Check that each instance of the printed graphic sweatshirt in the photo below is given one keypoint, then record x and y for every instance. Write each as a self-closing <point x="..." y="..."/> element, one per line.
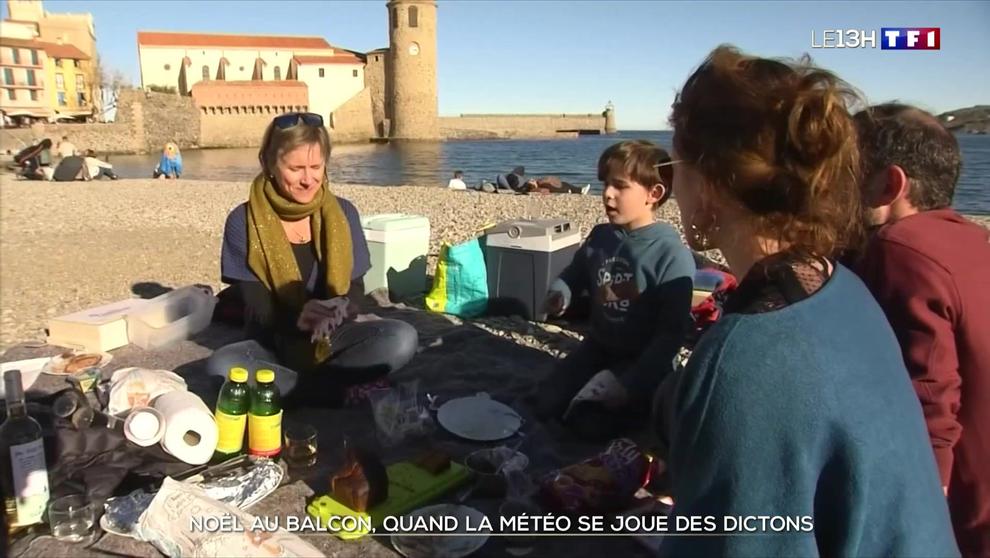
<point x="640" y="287"/>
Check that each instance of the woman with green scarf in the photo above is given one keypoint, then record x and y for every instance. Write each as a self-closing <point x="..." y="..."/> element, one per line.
<point x="295" y="257"/>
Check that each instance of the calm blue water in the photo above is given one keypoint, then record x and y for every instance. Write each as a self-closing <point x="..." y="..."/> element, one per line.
<point x="573" y="160"/>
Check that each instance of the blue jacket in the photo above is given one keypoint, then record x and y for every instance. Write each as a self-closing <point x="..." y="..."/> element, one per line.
<point x="170" y="166"/>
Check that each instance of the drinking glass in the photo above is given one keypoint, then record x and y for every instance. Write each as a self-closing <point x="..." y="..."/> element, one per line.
<point x="72" y="518"/>
<point x="300" y="445"/>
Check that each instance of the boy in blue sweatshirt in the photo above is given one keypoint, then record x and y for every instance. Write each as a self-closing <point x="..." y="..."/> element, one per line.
<point x="638" y="274"/>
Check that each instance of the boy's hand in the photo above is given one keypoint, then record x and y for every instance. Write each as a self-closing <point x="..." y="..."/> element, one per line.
<point x="554" y="304"/>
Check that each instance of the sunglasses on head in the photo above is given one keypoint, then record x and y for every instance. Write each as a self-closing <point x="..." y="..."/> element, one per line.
<point x="291" y="119"/>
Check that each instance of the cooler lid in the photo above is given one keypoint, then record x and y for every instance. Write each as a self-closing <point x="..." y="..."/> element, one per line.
<point x="394" y="222"/>
<point x="524" y="228"/>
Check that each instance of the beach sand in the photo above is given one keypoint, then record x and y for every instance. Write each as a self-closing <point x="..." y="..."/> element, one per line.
<point x="66" y="247"/>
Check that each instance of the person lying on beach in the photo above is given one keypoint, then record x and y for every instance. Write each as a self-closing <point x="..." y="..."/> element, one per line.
<point x="796" y="402"/>
<point x="170" y="164"/>
<point x="97" y="168"/>
<point x="554" y="185"/>
<point x="638" y="274"/>
<point x="929" y="268"/>
<point x="514" y="181"/>
<point x="295" y="256"/>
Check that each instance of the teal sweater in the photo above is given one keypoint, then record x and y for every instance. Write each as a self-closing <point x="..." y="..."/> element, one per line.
<point x="807" y="411"/>
<point x="640" y="288"/>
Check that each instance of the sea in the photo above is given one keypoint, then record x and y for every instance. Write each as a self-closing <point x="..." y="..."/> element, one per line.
<point x="429" y="163"/>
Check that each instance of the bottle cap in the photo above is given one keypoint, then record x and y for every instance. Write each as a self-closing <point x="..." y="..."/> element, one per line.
<point x="265" y="376"/>
<point x="239" y="375"/>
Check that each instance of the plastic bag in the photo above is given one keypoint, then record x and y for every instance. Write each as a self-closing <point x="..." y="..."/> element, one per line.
<point x="398" y="413"/>
<point x="460" y="282"/>
<point x="179" y="505"/>
<point x="136" y="387"/>
<point x="603" y="483"/>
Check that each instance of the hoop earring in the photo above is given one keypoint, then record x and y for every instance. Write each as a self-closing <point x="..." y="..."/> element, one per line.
<point x="702" y="235"/>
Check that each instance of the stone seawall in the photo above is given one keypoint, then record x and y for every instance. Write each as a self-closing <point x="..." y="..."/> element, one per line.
<point x="520" y="126"/>
<point x="145" y="121"/>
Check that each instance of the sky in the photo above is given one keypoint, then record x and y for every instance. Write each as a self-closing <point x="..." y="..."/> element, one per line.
<point x="519" y="56"/>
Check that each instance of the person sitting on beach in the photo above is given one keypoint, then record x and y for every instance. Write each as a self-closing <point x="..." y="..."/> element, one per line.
<point x="638" y="274"/>
<point x="457" y="183"/>
<point x="929" y="268"/>
<point x="295" y="255"/>
<point x="70" y="169"/>
<point x="35" y="160"/>
<point x="554" y="185"/>
<point x="796" y="401"/>
<point x="170" y="164"/>
<point x="97" y="168"/>
<point x="65" y="148"/>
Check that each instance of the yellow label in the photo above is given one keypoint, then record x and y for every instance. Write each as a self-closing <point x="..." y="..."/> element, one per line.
<point x="231" y="430"/>
<point x="265" y="434"/>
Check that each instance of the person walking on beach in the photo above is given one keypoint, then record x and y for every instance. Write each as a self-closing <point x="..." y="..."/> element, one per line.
<point x="638" y="274"/>
<point x="929" y="268"/>
<point x="457" y="183"/>
<point x="796" y="402"/>
<point x="295" y="256"/>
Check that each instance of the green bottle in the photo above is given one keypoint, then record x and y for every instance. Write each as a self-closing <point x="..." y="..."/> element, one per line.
<point x="231" y="414"/>
<point x="265" y="416"/>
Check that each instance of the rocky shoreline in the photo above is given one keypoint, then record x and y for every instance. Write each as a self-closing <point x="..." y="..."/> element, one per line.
<point x="69" y="246"/>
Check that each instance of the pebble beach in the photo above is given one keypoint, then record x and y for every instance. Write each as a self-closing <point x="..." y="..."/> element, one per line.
<point x="69" y="246"/>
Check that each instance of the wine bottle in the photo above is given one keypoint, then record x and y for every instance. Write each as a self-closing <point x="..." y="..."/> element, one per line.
<point x="23" y="474"/>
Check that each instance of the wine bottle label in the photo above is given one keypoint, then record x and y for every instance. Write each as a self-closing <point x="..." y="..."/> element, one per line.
<point x="30" y="482"/>
<point x="265" y="434"/>
<point x="231" y="431"/>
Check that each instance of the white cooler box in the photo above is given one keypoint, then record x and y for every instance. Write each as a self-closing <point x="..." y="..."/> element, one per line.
<point x="398" y="244"/>
<point x="523" y="258"/>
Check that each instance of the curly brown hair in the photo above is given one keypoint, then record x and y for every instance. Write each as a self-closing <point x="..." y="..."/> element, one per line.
<point x="776" y="136"/>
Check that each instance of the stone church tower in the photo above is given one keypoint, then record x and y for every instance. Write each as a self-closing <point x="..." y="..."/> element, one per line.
<point x="412" y="71"/>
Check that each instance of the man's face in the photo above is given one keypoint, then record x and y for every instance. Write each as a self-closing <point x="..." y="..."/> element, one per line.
<point x="876" y="211"/>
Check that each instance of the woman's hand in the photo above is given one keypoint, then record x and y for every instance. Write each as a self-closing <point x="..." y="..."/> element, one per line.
<point x="321" y="317"/>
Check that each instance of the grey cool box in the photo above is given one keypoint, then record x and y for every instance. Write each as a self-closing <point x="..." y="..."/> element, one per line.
<point x="523" y="258"/>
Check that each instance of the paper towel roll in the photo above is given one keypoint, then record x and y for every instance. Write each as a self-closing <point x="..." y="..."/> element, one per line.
<point x="190" y="430"/>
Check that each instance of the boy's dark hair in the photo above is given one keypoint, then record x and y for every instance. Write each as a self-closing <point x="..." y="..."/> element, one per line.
<point x="637" y="159"/>
<point x="458" y="174"/>
<point x="915" y="141"/>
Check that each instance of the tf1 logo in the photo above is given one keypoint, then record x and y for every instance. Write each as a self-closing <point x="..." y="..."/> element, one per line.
<point x="891" y="38"/>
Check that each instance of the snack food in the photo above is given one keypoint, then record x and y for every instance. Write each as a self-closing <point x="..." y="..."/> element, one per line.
<point x="603" y="483"/>
<point x="81" y="362"/>
<point x="433" y="461"/>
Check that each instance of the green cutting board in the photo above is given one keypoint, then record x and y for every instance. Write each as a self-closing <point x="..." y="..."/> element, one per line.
<point x="409" y="487"/>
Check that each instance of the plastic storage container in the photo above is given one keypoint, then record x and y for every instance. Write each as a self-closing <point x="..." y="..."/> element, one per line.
<point x="523" y="258"/>
<point x="171" y="317"/>
<point x="398" y="244"/>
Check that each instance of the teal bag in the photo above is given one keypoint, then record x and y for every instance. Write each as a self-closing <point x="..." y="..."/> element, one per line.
<point x="460" y="283"/>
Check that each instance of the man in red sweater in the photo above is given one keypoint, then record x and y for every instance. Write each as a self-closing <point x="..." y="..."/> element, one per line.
<point x="929" y="269"/>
